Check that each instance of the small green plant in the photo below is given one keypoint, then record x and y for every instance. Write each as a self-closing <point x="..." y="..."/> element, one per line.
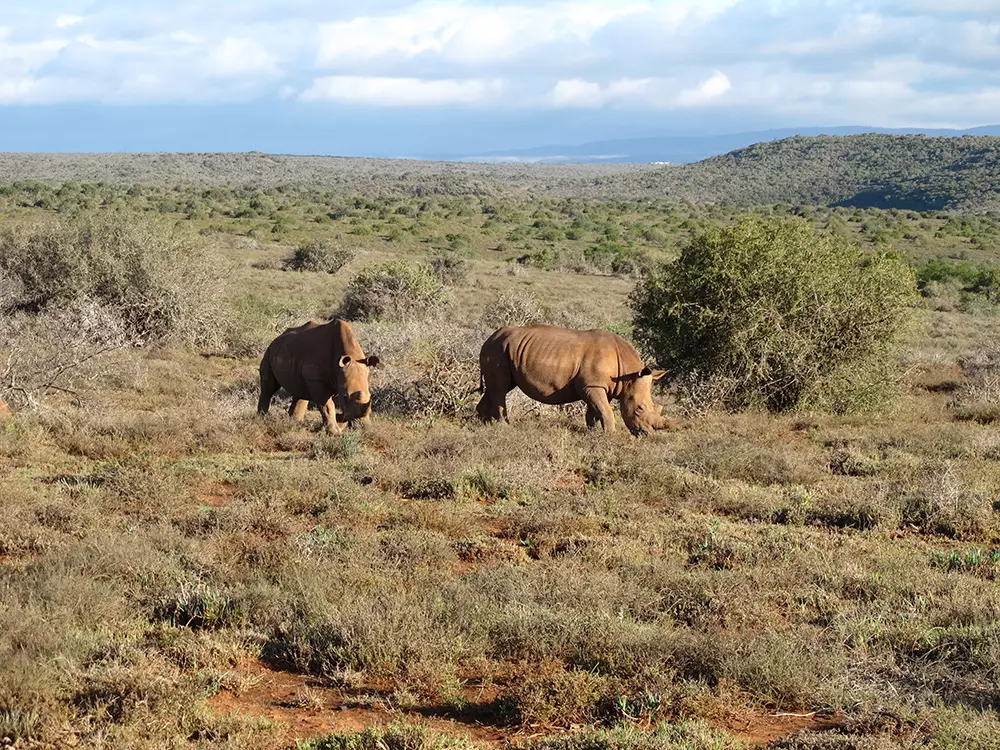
<point x="17" y="723"/>
<point x="201" y="607"/>
<point x="396" y="736"/>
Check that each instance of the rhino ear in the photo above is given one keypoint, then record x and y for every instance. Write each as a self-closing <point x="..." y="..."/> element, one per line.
<point x="659" y="375"/>
<point x="344" y="361"/>
<point x="645" y="371"/>
<point x="372" y="360"/>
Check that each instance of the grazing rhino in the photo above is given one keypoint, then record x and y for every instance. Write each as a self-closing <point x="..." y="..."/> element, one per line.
<point x="322" y="363"/>
<point x="561" y="365"/>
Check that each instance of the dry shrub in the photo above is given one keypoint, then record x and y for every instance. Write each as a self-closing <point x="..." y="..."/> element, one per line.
<point x="394" y="290"/>
<point x="321" y="256"/>
<point x="941" y="502"/>
<point x="428" y="369"/>
<point x="513" y="308"/>
<point x="978" y="397"/>
<point x="75" y="290"/>
<point x="450" y="268"/>
<point x="59" y="351"/>
<point x="152" y="278"/>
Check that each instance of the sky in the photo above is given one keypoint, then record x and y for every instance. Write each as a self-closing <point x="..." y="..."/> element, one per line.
<point x="397" y="77"/>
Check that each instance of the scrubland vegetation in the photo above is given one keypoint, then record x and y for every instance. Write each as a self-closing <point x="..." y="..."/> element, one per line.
<point x="780" y="572"/>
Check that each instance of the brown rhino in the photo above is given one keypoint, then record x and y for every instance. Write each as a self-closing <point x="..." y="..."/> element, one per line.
<point x="322" y="363"/>
<point x="561" y="365"/>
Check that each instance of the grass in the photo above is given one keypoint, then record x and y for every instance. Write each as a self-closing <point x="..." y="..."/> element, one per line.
<point x="564" y="589"/>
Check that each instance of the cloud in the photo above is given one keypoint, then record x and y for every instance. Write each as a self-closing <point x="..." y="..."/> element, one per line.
<point x="580" y="93"/>
<point x="466" y="33"/>
<point x="401" y="92"/>
<point x="705" y="92"/>
<point x="67" y="20"/>
<point x="235" y="57"/>
<point x="866" y="60"/>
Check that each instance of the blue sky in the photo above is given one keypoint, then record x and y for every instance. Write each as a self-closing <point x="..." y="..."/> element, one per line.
<point x="397" y="77"/>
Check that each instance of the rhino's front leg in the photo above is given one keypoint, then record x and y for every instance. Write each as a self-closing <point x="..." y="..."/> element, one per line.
<point x="329" y="413"/>
<point x="597" y="403"/>
<point x="298" y="408"/>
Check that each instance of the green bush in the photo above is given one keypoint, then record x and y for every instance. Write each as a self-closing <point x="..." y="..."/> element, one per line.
<point x="144" y="273"/>
<point x="319" y="255"/>
<point x="982" y="280"/>
<point x="393" y="291"/>
<point x="771" y="313"/>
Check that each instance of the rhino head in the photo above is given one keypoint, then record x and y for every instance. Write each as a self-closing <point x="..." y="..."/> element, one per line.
<point x="639" y="412"/>
<point x="354" y="395"/>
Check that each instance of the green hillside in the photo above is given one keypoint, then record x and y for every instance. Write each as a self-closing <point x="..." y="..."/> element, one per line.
<point x="867" y="171"/>
<point x="911" y="172"/>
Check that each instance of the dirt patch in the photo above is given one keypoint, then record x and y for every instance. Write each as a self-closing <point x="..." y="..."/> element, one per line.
<point x="762" y="729"/>
<point x="309" y="708"/>
<point x="215" y="494"/>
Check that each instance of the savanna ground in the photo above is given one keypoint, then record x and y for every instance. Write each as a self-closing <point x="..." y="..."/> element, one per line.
<point x="176" y="572"/>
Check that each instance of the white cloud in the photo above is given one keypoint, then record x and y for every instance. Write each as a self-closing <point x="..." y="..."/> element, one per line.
<point x="579" y="93"/>
<point x="65" y="21"/>
<point x="466" y="33"/>
<point x="707" y="91"/>
<point x="401" y="92"/>
<point x="235" y="57"/>
<point x="835" y="61"/>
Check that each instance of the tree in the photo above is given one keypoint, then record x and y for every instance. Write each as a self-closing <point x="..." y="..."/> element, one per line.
<point x="771" y="313"/>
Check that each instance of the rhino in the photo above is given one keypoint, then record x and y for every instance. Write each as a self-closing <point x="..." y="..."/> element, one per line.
<point x="319" y="363"/>
<point x="561" y="365"/>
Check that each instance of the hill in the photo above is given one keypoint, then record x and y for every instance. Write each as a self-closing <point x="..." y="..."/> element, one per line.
<point x="864" y="171"/>
<point x="686" y="149"/>
<point x="911" y="172"/>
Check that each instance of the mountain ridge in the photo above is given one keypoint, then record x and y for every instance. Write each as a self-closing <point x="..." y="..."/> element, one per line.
<point x="687" y="149"/>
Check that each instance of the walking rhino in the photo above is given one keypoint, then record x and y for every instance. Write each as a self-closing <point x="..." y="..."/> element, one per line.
<point x="322" y="363"/>
<point x="561" y="365"/>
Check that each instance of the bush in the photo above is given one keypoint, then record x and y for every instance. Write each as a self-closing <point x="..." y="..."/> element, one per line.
<point x="320" y="256"/>
<point x="513" y="308"/>
<point x="937" y="273"/>
<point x="450" y="268"/>
<point x="147" y="276"/>
<point x="393" y="291"/>
<point x="777" y="314"/>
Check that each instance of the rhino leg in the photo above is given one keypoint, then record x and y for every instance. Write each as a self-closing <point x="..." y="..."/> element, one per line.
<point x="298" y="409"/>
<point x="497" y="383"/>
<point x="492" y="410"/>
<point x="597" y="402"/>
<point x="329" y="413"/>
<point x="593" y="417"/>
<point x="268" y="387"/>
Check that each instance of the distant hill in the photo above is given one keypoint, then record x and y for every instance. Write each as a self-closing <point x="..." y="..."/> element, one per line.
<point x="686" y="149"/>
<point x="868" y="171"/>
<point x="912" y="172"/>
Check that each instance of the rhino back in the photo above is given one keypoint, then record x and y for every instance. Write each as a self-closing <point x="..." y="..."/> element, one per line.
<point x="547" y="361"/>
